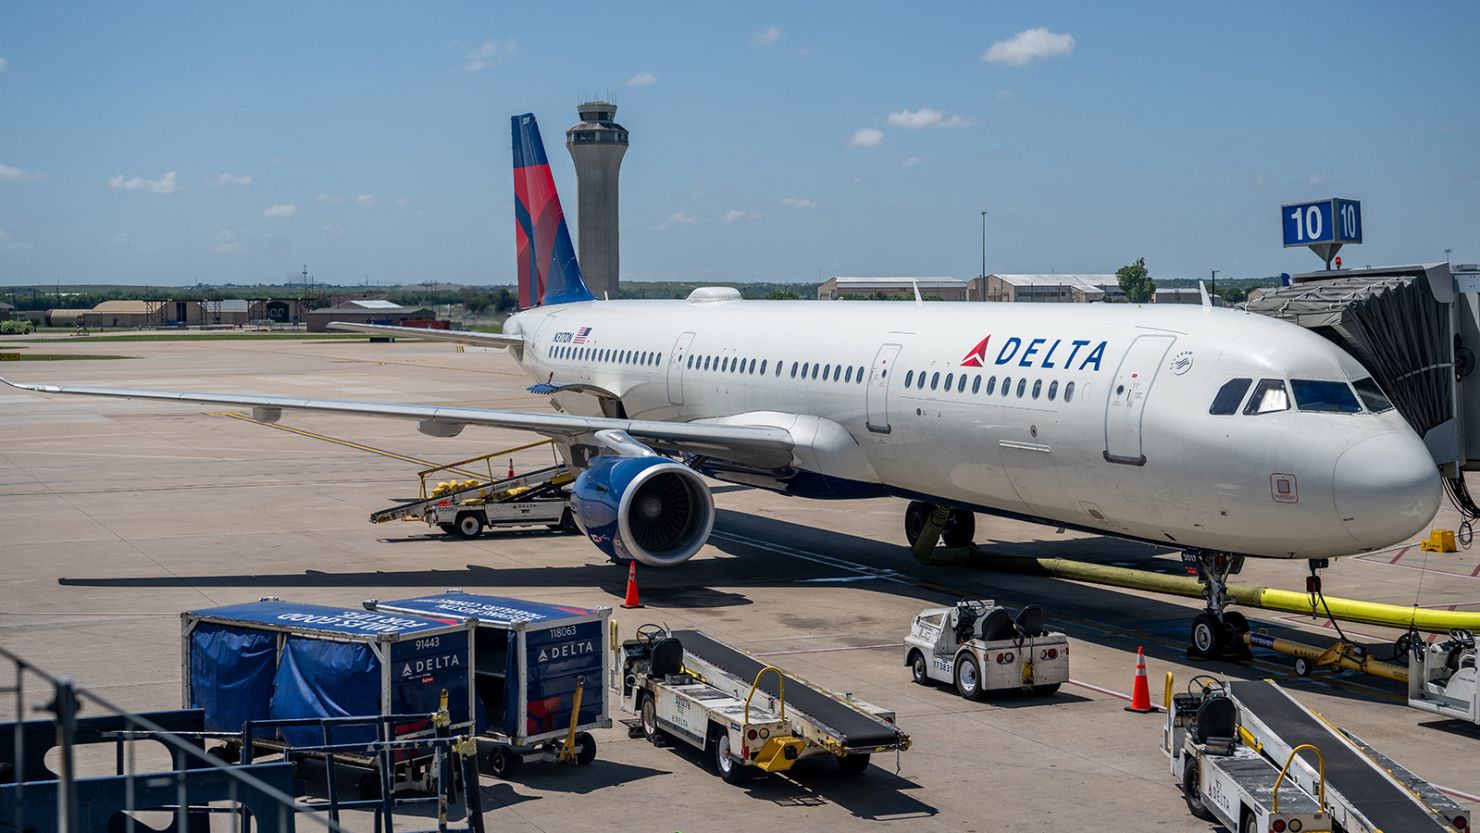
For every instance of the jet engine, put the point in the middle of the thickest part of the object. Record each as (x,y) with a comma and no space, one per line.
(648,508)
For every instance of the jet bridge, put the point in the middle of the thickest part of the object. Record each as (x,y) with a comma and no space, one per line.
(1415,328)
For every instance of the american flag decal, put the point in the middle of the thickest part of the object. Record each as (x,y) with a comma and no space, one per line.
(580,336)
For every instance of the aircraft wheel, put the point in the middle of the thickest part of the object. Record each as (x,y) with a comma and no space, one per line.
(914,520)
(917,668)
(1207,636)
(960,529)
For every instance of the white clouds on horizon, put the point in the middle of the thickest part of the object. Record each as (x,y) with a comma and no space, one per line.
(798,202)
(865,137)
(327,198)
(9,174)
(481,58)
(766,36)
(367,200)
(677,218)
(643,79)
(280,211)
(735,215)
(163,185)
(1028,46)
(925,117)
(228,178)
(225,243)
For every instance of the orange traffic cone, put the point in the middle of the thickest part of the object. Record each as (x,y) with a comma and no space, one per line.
(1140,690)
(511,468)
(631,600)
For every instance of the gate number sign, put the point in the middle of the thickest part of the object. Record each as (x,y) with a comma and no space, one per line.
(1325,221)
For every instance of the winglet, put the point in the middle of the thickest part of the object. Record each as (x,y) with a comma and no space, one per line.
(918,300)
(1202,290)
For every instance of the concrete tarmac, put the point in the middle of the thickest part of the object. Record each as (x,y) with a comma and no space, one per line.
(117,515)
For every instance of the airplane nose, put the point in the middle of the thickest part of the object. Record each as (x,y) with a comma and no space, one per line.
(1387,489)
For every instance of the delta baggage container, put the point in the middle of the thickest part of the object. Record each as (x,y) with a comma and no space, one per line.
(528,660)
(272,660)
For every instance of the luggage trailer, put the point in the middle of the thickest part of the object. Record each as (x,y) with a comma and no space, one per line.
(980,647)
(326,678)
(1235,747)
(750,716)
(540,673)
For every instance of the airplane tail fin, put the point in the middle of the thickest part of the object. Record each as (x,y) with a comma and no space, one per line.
(548,272)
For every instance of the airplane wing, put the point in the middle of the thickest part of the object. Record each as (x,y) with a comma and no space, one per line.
(758,445)
(457,336)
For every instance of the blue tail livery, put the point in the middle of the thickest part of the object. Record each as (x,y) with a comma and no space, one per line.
(548,272)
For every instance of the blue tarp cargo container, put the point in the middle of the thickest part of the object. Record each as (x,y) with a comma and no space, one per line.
(527,657)
(272,659)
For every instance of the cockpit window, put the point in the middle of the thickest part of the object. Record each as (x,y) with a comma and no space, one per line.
(1269,396)
(1325,397)
(1232,393)
(1372,395)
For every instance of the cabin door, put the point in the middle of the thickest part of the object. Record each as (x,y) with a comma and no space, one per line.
(676,359)
(878,389)
(1127,398)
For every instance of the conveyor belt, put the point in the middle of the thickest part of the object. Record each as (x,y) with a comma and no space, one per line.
(1384,803)
(858,729)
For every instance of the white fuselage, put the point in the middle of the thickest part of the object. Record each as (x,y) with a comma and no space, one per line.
(1133,451)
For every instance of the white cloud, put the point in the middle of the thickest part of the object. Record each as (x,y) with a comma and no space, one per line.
(1003,94)
(735,215)
(798,202)
(1261,180)
(225,243)
(286,209)
(642,79)
(163,185)
(766,37)
(8,242)
(677,218)
(327,198)
(402,202)
(9,174)
(911,162)
(330,228)
(4,65)
(1317,179)
(228,178)
(367,200)
(481,58)
(925,117)
(1028,46)
(866,137)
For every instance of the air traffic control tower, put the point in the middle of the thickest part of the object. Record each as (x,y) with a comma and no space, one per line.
(597,145)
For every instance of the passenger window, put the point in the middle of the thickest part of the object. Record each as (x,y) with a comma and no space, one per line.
(706,362)
(1269,396)
(860,374)
(934,381)
(848,376)
(763,367)
(1037,387)
(1372,395)
(921,384)
(1232,393)
(814,371)
(961,384)
(1022,384)
(690,363)
(793,370)
(976,384)
(991,385)
(1007,386)
(1053,390)
(1069,392)
(949,378)
(826,370)
(1324,397)
(658,359)
(805,365)
(752,366)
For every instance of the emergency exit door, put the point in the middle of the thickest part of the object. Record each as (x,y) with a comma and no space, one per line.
(878,389)
(676,359)
(1127,399)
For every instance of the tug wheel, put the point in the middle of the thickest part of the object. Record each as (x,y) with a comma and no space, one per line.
(968,677)
(585,749)
(917,668)
(468,526)
(1192,791)
(501,761)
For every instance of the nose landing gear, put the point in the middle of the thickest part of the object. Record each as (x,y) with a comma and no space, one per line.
(1216,632)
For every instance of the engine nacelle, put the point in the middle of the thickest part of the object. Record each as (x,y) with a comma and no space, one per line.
(647,508)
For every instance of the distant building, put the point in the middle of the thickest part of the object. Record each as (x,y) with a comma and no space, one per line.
(370,312)
(838,286)
(6,310)
(1064,289)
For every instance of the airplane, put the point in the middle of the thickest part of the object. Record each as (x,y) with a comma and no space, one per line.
(1221,432)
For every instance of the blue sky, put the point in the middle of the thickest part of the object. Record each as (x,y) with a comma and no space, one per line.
(376,139)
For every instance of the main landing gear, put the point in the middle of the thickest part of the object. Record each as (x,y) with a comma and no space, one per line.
(1216,632)
(959,525)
